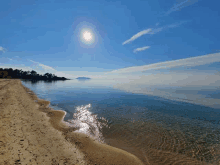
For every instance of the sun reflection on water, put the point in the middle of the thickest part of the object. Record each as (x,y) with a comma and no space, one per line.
(87,122)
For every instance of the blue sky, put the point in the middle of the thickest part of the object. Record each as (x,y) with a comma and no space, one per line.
(44,35)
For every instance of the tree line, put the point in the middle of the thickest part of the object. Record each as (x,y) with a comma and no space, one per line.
(32,75)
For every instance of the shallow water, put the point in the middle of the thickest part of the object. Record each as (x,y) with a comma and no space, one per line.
(140,124)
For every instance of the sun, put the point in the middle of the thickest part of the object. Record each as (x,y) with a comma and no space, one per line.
(87,36)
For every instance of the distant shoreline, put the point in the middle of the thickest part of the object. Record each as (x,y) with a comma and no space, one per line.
(9,73)
(35,79)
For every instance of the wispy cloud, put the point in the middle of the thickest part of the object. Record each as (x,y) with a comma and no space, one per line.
(134,37)
(157,30)
(45,67)
(193,61)
(5,60)
(141,49)
(174,25)
(2,49)
(153,31)
(180,5)
(33,61)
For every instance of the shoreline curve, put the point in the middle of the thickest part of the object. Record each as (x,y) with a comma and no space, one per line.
(35,133)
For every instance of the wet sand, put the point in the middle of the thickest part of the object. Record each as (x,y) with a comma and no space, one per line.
(32,133)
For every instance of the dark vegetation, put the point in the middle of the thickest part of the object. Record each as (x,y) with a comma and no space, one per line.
(31,75)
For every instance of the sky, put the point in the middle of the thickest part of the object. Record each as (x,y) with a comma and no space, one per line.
(47,35)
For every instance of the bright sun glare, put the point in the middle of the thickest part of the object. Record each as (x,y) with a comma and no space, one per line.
(87,36)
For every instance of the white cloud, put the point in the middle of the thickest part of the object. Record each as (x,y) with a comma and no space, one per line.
(152,31)
(180,5)
(2,49)
(141,49)
(44,67)
(5,60)
(134,37)
(174,25)
(193,61)
(157,30)
(33,61)
(49,69)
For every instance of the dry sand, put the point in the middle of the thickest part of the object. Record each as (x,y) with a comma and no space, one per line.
(31,133)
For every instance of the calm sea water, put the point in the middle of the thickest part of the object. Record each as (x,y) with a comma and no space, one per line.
(101,111)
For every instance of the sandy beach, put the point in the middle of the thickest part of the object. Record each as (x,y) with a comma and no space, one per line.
(32,133)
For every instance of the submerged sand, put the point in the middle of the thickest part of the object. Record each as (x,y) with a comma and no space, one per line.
(32,133)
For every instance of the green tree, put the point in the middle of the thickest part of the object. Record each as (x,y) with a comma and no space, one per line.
(48,75)
(33,73)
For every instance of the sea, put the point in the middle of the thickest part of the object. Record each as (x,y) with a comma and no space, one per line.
(135,122)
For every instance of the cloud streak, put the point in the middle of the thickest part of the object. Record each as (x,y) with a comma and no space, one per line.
(174,25)
(152,31)
(141,49)
(180,5)
(193,61)
(2,49)
(45,67)
(134,37)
